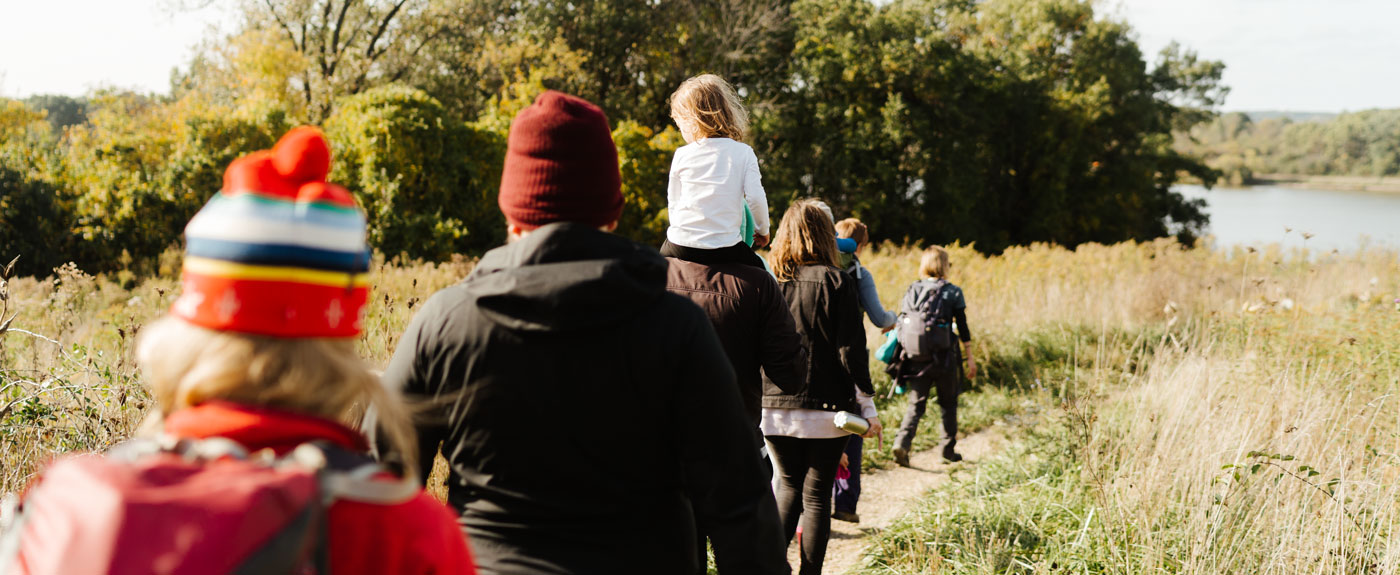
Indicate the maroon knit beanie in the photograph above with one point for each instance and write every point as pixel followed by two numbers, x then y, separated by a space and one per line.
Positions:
pixel 561 165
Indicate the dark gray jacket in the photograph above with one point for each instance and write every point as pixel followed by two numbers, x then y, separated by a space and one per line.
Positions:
pixel 751 317
pixel 589 417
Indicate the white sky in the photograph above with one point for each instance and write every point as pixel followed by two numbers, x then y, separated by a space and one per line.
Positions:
pixel 1297 55
pixel 72 46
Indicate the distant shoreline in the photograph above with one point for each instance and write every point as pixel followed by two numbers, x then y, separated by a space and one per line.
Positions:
pixel 1389 185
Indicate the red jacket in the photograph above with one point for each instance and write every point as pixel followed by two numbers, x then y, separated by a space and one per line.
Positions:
pixel 417 537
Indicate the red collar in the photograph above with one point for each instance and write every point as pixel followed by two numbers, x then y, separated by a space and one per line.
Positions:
pixel 260 427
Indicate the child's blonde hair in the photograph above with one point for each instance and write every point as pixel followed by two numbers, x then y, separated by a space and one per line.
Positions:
pixel 711 107
pixel 854 229
pixel 186 365
pixel 934 264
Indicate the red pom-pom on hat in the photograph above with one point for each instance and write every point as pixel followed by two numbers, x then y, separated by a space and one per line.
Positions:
pixel 302 155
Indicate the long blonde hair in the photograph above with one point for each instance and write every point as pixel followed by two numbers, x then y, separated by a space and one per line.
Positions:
pixel 711 107
pixel 186 365
pixel 806 237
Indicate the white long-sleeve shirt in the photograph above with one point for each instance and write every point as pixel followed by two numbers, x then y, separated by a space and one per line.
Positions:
pixel 711 180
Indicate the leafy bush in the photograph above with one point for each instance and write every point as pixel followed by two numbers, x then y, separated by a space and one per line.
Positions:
pixel 644 157
pixel 142 167
pixel 427 181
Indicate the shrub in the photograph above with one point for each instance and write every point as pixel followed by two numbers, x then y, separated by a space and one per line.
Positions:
pixel 427 180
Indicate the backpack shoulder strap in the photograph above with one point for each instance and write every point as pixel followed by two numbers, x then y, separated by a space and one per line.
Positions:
pixel 929 289
pixel 937 301
pixel 345 474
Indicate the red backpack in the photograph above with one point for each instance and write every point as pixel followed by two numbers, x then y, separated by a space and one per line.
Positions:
pixel 189 507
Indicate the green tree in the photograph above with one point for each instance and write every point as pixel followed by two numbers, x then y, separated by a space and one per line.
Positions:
pixel 143 166
pixel 346 47
pixel 427 180
pixel 644 157
pixel 34 215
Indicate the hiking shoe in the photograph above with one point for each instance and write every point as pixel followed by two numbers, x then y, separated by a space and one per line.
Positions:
pixel 901 456
pixel 951 456
pixel 847 516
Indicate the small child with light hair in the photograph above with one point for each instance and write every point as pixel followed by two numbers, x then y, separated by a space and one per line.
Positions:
pixel 714 178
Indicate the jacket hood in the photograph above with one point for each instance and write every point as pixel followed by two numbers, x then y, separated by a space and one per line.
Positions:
pixel 566 277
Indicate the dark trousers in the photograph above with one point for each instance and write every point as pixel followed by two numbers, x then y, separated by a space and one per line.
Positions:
pixel 703 536
pixel 945 383
pixel 739 253
pixel 846 499
pixel 806 474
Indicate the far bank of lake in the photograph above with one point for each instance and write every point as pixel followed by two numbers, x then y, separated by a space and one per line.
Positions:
pixel 1261 215
pixel 1389 185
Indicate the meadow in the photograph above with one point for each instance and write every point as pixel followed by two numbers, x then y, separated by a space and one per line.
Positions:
pixel 1165 409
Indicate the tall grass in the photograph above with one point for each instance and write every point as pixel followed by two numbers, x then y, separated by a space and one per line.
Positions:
pixel 1218 413
pixel 1136 373
pixel 68 379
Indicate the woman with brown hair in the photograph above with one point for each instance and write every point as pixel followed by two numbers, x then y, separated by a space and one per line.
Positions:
pixel 799 426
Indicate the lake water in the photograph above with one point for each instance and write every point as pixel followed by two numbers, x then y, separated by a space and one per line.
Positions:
pixel 1337 220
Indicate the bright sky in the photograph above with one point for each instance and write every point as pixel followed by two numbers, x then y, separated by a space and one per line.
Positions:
pixel 1296 55
pixel 72 46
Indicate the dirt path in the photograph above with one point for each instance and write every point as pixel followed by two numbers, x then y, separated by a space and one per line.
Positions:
pixel 887 494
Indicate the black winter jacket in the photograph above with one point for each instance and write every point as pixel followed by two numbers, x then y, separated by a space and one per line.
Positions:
pixel 589 417
pixel 751 317
pixel 826 306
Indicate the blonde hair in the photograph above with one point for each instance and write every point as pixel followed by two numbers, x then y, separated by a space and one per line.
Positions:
pixel 934 263
pixel 711 107
pixel 853 229
pixel 806 237
pixel 186 365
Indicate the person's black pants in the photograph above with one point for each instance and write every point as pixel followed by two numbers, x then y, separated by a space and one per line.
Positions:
pixel 945 383
pixel 806 474
pixel 739 253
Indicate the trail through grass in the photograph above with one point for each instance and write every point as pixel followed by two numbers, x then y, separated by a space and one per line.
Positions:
pixel 1166 410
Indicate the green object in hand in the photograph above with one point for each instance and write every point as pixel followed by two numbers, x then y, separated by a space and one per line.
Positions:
pixel 885 352
pixel 748 230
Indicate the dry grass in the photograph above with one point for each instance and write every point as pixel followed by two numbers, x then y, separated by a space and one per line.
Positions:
pixel 1135 373
pixel 68 381
pixel 1218 413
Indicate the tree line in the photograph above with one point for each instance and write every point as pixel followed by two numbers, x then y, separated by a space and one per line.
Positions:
pixel 1365 144
pixel 996 122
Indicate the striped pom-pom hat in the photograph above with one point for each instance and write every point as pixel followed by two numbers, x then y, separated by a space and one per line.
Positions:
pixel 279 251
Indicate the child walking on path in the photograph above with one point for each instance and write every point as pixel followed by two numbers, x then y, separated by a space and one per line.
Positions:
pixel 713 178
pixel 848 492
pixel 939 369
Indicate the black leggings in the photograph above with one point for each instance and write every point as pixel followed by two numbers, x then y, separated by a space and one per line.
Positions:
pixel 739 253
pixel 806 475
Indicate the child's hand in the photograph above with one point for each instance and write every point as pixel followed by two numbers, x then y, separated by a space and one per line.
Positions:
pixel 760 241
pixel 845 461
